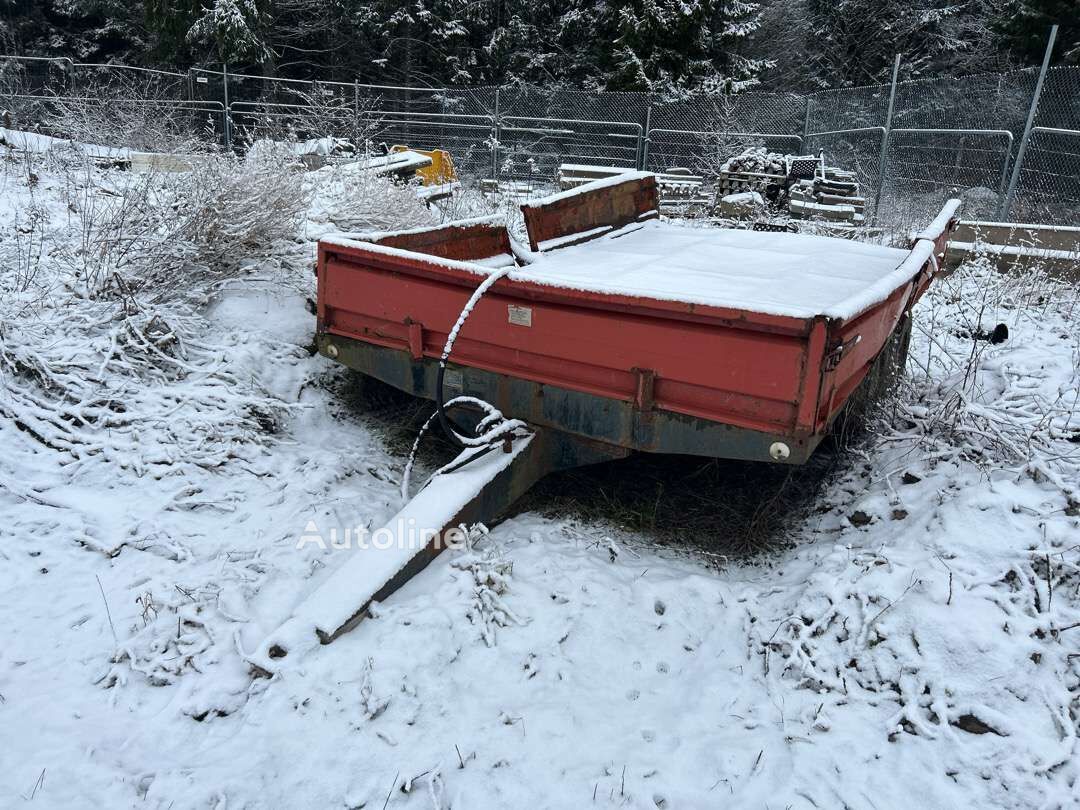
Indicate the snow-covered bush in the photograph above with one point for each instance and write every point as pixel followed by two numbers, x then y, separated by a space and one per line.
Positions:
pixel 234 210
pixel 103 276
pixel 967 402
pixel 349 198
pixel 136 118
pixel 323 117
pixel 101 355
pixel 164 234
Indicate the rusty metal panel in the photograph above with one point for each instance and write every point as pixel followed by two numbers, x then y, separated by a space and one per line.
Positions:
pixel 852 348
pixel 461 241
pixel 584 415
pixel 584 211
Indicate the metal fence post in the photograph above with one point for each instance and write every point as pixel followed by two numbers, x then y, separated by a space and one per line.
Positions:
pixel 495 140
pixel 356 113
pixel 225 90
pixel 1006 204
pixel 645 138
pixel 806 121
pixel 70 75
pixel 885 139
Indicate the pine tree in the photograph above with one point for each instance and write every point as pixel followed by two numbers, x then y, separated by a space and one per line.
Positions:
pixel 82 30
pixel 234 29
pixel 1024 26
pixel 682 46
pixel 854 42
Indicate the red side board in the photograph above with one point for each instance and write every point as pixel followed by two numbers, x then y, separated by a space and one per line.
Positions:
pixel 461 241
pixel 783 376
pixel 584 211
pixel 745 369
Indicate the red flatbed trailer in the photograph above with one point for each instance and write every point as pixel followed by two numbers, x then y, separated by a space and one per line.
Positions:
pixel 652 372
pixel 613 332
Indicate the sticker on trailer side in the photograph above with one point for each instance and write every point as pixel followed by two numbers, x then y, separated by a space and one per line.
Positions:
pixel 520 316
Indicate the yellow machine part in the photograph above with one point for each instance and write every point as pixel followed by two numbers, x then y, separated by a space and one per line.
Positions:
pixel 441 169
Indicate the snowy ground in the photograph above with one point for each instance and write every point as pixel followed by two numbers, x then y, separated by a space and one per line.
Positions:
pixel 916 644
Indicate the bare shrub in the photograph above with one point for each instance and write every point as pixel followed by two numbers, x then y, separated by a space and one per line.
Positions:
pixel 90 379
pixel 21 104
pixel 141 117
pixel 103 352
pixel 234 209
pixel 162 235
pixel 325 119
pixel 722 139
pixel 966 402
pixel 352 198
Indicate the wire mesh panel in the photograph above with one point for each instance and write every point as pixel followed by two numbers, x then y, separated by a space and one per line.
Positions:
pixel 107 105
pixel 1049 185
pixel 578 105
pixel 256 120
pixel 705 152
pixel 140 108
pixel 774 113
pixel 701 133
pixel 925 167
pixel 533 147
pixel 27 84
pixel 1059 106
pixel 846 109
pixel 857 150
pixel 949 136
pixel 362 114
pixel 539 130
pixel 1048 189
pixel 121 81
pixel 468 138
pixel 35 76
pixel 988 101
pixel 459 121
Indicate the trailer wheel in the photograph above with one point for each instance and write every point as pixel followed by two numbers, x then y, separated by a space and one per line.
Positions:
pixel 880 382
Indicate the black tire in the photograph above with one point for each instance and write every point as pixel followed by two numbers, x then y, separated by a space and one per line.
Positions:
pixel 878 384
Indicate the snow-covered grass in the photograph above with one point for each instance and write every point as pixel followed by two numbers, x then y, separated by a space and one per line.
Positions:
pixel 914 642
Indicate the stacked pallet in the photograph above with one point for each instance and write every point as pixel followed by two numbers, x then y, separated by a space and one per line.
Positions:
pixel 729 182
pixel 815 191
pixel 834 196
pixel 753 170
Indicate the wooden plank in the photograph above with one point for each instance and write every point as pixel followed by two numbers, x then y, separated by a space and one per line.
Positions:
pixel 1046 237
pixel 1018 247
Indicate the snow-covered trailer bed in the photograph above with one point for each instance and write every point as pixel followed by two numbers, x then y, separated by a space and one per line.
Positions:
pixel 627 330
pixel 615 332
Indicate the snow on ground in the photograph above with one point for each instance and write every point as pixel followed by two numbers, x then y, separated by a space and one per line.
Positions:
pixel 917 644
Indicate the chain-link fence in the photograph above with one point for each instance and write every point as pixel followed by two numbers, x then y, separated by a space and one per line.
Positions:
pixel 945 137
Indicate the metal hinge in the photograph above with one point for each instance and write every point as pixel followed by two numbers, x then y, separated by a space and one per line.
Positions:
pixel 834 355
